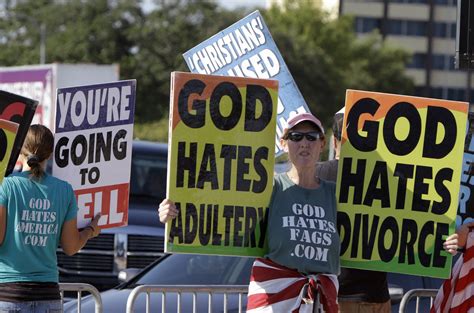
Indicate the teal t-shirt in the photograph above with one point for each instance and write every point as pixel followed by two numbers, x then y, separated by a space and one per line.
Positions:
pixel 302 232
pixel 36 211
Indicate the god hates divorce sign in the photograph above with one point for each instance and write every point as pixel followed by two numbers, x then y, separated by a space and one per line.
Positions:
pixel 247 49
pixel 93 148
pixel 220 164
pixel 398 182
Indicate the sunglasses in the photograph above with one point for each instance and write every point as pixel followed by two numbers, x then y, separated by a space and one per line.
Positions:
pixel 298 136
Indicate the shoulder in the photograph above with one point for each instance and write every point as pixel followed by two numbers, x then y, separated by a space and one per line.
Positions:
pixel 57 182
pixel 326 164
pixel 16 175
pixel 329 185
pixel 278 177
pixel 14 178
pixel 282 178
pixel 279 180
pixel 327 170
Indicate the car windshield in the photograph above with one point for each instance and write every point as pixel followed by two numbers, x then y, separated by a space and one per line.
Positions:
pixel 194 269
pixel 148 176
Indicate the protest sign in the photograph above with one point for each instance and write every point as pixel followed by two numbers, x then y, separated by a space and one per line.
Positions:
pixel 247 49
pixel 466 194
pixel 93 148
pixel 19 110
pixel 220 163
pixel 7 137
pixel 35 82
pixel 398 182
pixel 40 81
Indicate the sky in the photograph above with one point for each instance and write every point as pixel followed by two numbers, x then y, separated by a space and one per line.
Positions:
pixel 240 3
pixel 231 4
pixel 327 4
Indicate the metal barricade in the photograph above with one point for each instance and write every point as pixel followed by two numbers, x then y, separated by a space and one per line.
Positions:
pixel 79 288
pixel 418 293
pixel 210 290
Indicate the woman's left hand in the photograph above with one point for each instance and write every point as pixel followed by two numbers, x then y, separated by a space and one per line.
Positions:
pixel 459 239
pixel 463 232
pixel 451 244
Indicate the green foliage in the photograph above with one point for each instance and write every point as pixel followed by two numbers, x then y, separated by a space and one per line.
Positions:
pixel 324 55
pixel 326 58
pixel 148 46
pixel 166 33
pixel 153 131
pixel 76 31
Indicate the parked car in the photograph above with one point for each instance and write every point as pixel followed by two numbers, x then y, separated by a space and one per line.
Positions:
pixel 192 269
pixel 177 269
pixel 133 246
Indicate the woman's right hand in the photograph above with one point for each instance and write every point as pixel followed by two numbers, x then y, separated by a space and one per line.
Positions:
pixel 94 224
pixel 167 210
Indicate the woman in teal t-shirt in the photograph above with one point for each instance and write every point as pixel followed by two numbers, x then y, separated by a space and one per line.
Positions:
pixel 303 243
pixel 37 213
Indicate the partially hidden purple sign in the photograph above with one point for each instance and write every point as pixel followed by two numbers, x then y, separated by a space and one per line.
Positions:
pixel 34 84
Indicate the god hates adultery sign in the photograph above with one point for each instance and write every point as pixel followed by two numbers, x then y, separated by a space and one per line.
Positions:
pixel 398 182
pixel 220 163
pixel 93 148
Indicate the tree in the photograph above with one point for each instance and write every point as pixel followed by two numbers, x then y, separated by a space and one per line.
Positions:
pixel 167 32
pixel 148 47
pixel 76 31
pixel 325 57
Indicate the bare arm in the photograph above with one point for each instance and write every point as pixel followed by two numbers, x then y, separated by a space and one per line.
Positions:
pixel 73 240
pixel 3 223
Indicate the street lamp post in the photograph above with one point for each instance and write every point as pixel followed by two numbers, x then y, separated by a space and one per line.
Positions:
pixel 42 32
pixel 42 43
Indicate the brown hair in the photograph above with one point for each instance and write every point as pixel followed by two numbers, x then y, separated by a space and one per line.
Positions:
pixel 38 146
pixel 337 125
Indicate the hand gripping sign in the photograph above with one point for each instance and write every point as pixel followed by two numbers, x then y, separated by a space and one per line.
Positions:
pixel 398 181
pixel 93 148
pixel 220 163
